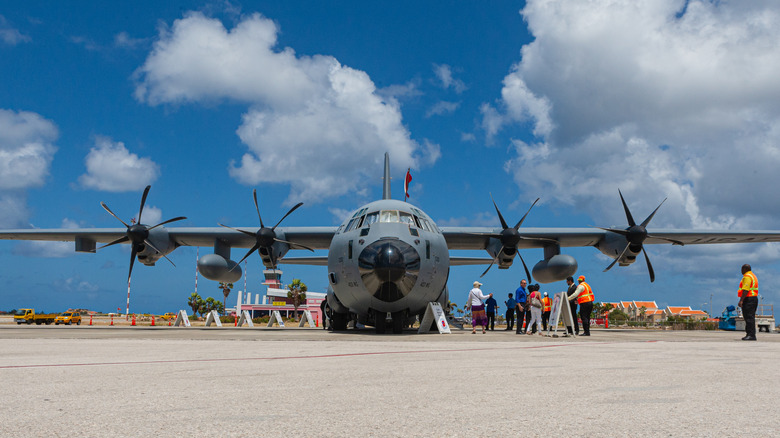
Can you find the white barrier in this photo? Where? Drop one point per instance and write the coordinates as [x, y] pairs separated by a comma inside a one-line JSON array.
[[434, 312]]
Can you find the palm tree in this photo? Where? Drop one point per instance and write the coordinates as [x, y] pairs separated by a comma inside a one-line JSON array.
[[225, 291], [297, 292], [195, 302]]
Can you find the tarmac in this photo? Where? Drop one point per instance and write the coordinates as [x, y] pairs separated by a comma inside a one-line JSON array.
[[209, 381]]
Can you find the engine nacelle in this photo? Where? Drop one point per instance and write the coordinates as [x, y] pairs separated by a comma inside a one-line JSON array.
[[159, 238], [217, 268], [556, 268], [613, 244]]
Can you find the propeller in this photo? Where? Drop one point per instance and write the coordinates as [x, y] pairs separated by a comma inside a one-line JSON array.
[[509, 237], [138, 234], [635, 236], [265, 237]]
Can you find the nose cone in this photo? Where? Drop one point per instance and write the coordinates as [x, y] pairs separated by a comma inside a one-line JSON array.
[[389, 269]]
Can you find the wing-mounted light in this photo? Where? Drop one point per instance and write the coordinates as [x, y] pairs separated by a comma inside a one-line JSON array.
[[633, 239], [150, 242], [270, 245]]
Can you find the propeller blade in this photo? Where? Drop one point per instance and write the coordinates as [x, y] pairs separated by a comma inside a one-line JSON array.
[[630, 218], [248, 233], [147, 242], [526, 214], [649, 266], [527, 273], [500, 217], [649, 218], [614, 230], [617, 258], [257, 207], [143, 201], [247, 254], [288, 213], [120, 240], [112, 214], [180, 218], [488, 268], [672, 241], [293, 244], [133, 253]]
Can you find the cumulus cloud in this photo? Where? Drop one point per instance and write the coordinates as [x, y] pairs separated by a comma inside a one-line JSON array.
[[312, 122], [672, 98], [26, 152], [10, 35], [112, 168]]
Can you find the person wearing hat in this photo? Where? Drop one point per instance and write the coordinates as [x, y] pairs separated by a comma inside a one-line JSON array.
[[585, 298], [547, 301], [476, 302]]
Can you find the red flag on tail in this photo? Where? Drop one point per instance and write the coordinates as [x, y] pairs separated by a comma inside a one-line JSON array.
[[406, 183]]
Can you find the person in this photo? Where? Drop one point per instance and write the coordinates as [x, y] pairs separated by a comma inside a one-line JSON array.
[[570, 295], [547, 301], [748, 301], [521, 297], [491, 305], [536, 305], [476, 300], [585, 298], [510, 312]]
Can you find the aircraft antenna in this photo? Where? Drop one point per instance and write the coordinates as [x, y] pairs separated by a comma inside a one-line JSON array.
[[386, 186]]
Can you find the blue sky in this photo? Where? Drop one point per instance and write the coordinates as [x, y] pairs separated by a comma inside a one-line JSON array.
[[300, 99]]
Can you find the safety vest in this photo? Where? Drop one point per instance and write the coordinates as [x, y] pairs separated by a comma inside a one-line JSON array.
[[586, 296], [547, 304], [750, 284]]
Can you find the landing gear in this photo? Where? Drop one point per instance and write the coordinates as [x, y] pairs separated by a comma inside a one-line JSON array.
[[399, 321], [339, 321], [380, 322]]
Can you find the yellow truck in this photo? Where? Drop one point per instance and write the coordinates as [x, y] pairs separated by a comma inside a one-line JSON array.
[[29, 316], [68, 318]]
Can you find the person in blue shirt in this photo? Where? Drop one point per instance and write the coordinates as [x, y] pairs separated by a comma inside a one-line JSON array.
[[491, 305], [521, 296], [510, 312]]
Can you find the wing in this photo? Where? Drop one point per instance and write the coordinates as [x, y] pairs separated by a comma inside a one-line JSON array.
[[481, 237]]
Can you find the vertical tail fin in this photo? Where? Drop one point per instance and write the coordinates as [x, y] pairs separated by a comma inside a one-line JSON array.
[[386, 186]]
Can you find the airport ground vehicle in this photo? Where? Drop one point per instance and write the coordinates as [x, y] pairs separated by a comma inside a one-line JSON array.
[[29, 316], [68, 318], [732, 319], [168, 316]]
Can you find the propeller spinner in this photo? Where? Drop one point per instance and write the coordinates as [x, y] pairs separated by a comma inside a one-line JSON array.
[[635, 236]]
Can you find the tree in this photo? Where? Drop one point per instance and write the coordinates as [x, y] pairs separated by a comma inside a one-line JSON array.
[[643, 312], [296, 291], [195, 302], [225, 291]]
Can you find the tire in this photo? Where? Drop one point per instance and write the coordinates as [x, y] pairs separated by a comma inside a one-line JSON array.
[[78, 323]]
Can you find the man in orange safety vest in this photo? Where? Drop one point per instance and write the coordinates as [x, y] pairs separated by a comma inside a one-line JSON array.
[[584, 296], [748, 301], [547, 303]]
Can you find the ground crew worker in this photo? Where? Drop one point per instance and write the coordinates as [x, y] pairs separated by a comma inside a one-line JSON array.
[[585, 298], [547, 301], [748, 301]]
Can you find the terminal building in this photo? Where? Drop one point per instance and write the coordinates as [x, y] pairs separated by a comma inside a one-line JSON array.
[[275, 298]]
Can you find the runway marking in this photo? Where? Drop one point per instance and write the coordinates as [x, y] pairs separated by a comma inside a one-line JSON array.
[[320, 356]]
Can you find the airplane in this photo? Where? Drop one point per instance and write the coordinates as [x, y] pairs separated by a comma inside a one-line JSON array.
[[388, 258]]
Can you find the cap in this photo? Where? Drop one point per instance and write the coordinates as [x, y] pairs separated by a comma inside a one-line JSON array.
[[581, 278], [545, 294], [477, 284]]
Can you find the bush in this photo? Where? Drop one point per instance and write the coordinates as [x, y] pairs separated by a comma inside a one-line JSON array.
[[229, 319]]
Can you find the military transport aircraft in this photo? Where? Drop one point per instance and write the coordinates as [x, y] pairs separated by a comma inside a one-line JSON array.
[[388, 258]]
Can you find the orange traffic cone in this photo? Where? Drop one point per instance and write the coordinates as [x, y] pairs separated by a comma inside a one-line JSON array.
[[90, 319], [235, 321], [133, 323], [152, 320], [112, 320]]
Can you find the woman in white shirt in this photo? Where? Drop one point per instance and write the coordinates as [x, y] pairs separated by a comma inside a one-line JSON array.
[[477, 301]]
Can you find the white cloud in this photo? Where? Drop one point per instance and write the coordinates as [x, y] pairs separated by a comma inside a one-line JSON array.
[[441, 108], [26, 149], [446, 80], [9, 35], [124, 40], [13, 210], [112, 168], [313, 123], [151, 215], [655, 99]]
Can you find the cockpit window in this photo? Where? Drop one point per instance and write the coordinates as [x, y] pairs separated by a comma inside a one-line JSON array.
[[355, 223], [425, 225], [388, 216], [371, 218], [407, 219]]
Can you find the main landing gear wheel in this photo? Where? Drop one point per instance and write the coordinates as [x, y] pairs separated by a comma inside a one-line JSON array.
[[380, 322], [399, 320]]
